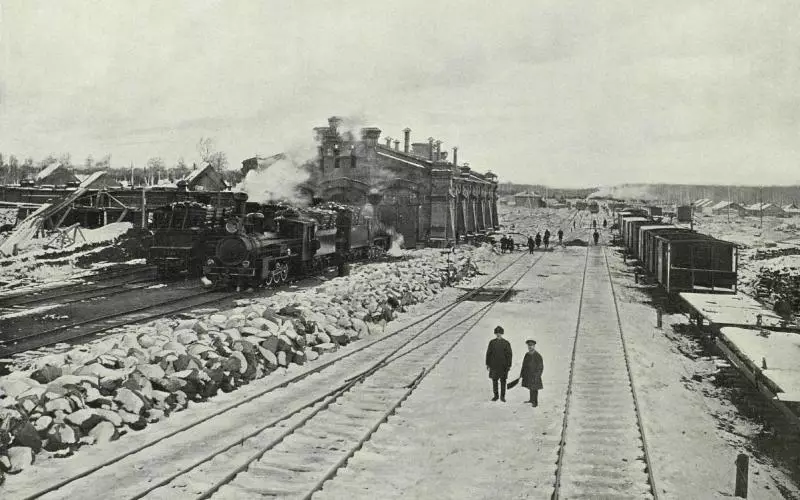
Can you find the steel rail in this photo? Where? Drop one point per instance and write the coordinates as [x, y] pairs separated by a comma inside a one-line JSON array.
[[563, 441], [78, 295], [482, 313], [639, 422], [327, 399], [5, 298], [28, 342], [270, 389]]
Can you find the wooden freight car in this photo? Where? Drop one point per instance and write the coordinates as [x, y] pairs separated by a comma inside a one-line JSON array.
[[694, 262]]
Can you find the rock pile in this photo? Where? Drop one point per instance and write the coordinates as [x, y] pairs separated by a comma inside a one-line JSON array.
[[95, 393]]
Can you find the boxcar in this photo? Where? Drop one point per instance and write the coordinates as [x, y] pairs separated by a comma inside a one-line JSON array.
[[639, 249], [693, 262], [630, 226]]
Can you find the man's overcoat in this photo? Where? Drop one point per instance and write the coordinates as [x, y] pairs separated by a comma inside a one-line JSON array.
[[498, 358], [532, 368]]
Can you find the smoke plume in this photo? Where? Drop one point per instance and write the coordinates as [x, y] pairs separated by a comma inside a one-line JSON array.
[[278, 178]]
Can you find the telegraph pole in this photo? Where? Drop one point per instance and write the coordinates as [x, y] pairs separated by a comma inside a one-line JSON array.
[[729, 205], [761, 206]]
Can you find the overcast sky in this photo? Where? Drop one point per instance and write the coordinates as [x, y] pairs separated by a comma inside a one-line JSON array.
[[566, 93]]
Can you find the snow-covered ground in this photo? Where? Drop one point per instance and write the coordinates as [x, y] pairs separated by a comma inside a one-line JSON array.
[[449, 441], [37, 267]]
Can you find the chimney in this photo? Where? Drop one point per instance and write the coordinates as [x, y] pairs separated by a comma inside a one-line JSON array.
[[333, 123], [430, 148], [397, 145], [443, 156], [370, 136], [388, 141], [455, 155], [438, 155], [406, 139]]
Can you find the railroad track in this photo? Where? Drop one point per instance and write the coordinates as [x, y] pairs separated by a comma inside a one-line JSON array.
[[603, 451], [93, 326], [291, 440], [75, 292]]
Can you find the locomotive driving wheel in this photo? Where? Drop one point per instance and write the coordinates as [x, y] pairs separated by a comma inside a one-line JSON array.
[[285, 272], [268, 279]]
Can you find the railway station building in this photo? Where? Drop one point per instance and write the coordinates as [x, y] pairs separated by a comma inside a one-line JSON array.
[[430, 199]]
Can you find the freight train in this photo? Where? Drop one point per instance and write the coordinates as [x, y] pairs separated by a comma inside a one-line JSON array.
[[270, 246], [679, 259]]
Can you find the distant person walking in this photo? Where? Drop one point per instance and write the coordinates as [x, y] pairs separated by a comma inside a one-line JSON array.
[[498, 362], [605, 223], [538, 240], [560, 237], [594, 223], [531, 244], [531, 373], [510, 244], [596, 236], [546, 238], [502, 244]]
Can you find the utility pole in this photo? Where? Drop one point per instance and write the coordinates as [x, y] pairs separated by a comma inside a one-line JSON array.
[[761, 206], [728, 208]]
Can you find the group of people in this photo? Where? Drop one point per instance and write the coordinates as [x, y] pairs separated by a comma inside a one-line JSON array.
[[498, 364], [536, 242], [506, 243]]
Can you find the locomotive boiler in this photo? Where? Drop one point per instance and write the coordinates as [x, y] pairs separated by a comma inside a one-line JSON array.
[[272, 246]]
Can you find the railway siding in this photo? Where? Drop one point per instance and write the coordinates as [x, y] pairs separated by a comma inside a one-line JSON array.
[[603, 450]]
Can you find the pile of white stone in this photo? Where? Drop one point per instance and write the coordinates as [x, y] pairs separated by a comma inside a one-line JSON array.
[[96, 392]]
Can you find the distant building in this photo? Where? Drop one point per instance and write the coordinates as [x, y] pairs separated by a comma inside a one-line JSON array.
[[758, 209], [684, 213], [725, 207], [55, 174], [791, 209], [204, 179], [529, 200]]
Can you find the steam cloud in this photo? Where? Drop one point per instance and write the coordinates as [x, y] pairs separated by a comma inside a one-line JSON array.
[[279, 180], [629, 192]]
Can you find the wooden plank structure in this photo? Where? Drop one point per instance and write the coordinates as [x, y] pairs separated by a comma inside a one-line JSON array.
[[759, 343]]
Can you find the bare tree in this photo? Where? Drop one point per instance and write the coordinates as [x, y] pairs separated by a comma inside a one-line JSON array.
[[218, 161], [205, 148], [104, 163], [156, 169]]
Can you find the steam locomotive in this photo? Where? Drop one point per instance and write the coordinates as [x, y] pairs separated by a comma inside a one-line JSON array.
[[272, 243], [184, 233]]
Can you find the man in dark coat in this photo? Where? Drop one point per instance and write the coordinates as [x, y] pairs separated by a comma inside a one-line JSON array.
[[546, 238], [531, 244], [538, 240], [596, 236], [498, 362], [531, 373], [560, 236], [503, 244]]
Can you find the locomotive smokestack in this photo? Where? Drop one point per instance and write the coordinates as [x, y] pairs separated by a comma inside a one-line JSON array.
[[430, 148], [438, 155], [397, 145], [388, 141], [455, 155], [406, 139]]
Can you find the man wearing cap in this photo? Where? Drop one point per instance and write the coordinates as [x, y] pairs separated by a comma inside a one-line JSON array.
[[498, 362], [531, 373]]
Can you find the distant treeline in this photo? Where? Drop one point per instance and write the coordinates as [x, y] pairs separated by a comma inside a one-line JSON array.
[[685, 193], [510, 188]]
